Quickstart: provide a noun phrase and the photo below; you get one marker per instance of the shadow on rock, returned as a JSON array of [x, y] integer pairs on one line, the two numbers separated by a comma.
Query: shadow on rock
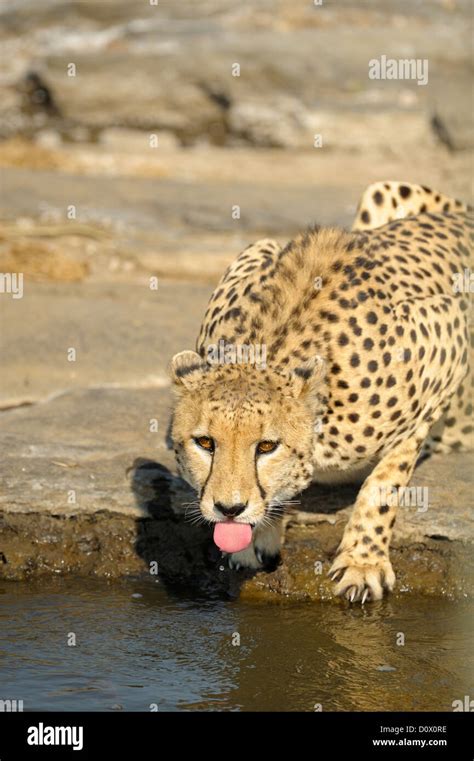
[[325, 498], [187, 559]]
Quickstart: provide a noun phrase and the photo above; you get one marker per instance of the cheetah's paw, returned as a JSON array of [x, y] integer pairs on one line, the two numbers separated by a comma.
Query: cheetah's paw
[[361, 582]]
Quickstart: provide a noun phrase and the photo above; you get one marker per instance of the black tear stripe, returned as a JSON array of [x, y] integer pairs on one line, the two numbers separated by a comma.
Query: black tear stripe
[[262, 491], [201, 495]]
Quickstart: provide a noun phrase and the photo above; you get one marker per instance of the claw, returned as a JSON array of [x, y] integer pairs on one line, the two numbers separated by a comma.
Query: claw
[[358, 581], [259, 556]]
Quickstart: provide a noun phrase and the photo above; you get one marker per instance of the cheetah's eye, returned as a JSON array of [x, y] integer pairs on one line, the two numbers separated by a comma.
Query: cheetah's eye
[[265, 447], [205, 442]]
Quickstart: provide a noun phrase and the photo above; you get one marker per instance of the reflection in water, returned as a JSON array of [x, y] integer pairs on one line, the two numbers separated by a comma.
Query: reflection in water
[[183, 654]]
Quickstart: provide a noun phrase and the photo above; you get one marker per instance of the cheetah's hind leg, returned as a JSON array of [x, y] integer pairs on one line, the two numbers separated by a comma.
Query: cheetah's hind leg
[[454, 431], [383, 202]]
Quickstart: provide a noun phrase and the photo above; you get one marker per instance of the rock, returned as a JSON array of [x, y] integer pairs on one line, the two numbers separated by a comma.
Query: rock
[[182, 79], [169, 209], [372, 130], [286, 123], [123, 335], [273, 122], [89, 489], [43, 260], [136, 141], [49, 138]]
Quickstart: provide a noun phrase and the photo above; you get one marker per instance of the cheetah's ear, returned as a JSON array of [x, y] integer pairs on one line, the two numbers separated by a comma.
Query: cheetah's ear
[[187, 369], [308, 377]]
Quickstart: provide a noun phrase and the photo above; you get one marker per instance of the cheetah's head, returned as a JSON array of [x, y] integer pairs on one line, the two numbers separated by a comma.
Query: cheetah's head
[[243, 438]]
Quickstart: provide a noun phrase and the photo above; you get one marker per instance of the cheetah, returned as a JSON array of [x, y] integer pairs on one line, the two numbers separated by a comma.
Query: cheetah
[[340, 357]]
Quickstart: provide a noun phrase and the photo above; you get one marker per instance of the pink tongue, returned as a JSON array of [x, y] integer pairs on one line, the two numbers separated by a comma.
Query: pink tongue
[[232, 537]]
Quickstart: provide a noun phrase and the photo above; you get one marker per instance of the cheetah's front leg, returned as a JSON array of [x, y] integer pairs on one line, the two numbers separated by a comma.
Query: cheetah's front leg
[[264, 552], [362, 567]]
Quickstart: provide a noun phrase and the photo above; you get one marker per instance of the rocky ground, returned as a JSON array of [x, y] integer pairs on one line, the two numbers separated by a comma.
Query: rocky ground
[[95, 217]]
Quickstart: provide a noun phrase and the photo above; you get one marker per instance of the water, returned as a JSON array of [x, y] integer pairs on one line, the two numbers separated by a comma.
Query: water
[[137, 645]]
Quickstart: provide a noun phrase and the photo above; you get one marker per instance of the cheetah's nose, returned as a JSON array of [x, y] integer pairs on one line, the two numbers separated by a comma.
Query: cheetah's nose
[[230, 511]]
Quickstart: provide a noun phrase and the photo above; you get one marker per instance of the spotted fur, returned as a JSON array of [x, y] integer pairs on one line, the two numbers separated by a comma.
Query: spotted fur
[[383, 202], [366, 352]]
